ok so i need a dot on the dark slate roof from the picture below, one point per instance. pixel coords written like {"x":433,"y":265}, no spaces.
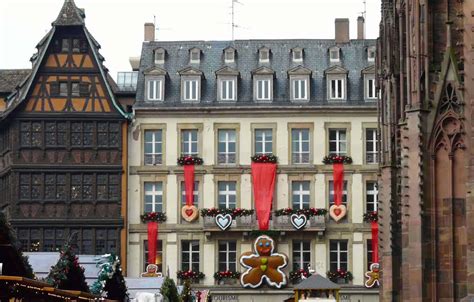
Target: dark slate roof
{"x":316,"y":58}
{"x":70,"y":15}
{"x":11,"y":78}
{"x":315,"y":282}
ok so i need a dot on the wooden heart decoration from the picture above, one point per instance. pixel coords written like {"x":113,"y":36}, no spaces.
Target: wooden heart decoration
{"x":298,"y":221}
{"x":337,"y":212}
{"x":189,"y":213}
{"x":223,"y":221}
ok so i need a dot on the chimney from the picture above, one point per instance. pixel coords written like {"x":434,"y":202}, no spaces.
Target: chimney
{"x":149,"y":32}
{"x":342,"y":30}
{"x":360,"y":28}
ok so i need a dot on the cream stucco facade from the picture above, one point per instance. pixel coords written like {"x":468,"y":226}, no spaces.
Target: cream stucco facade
{"x":207,"y":122}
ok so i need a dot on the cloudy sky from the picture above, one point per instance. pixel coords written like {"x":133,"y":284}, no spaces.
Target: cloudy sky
{"x":118,"y":24}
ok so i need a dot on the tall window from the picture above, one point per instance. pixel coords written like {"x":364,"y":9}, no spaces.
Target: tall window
{"x":336,"y":89}
{"x":337,"y":141}
{"x":189,"y":142}
{"x":155,"y":90}
{"x":369,"y":253}
{"x":191,"y":90}
{"x":190,"y":255}
{"x":371,"y":92}
{"x":300,"y":89}
{"x":331,"y":192}
{"x":300,"y":194}
{"x":301,"y":254}
{"x":228,"y":90}
{"x":227,"y":194}
{"x":263,"y":89}
{"x":153,"y":147}
{"x":338,"y":255}
{"x":227,"y":256}
{"x":159,"y":255}
{"x":226,"y":146}
{"x":195,"y":193}
{"x":263,"y":141}
{"x":371,"y":197}
{"x":153,"y":197}
{"x":371,"y":146}
{"x":300,"y":146}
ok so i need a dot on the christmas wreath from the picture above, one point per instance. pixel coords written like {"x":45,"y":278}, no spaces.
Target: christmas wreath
{"x":153,"y":217}
{"x":297,"y":274}
{"x":190,"y":275}
{"x":339,"y":274}
{"x":337,"y":159}
{"x":307,"y":212}
{"x":238,"y":212}
{"x":371,"y":216}
{"x":226,"y":275}
{"x":264,"y":158}
{"x":189,"y":160}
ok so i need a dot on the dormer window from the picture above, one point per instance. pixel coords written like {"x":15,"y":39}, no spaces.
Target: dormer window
{"x":371,"y":54}
{"x":370,"y":86}
{"x":229,"y":55}
{"x":264,"y":55}
{"x":336,"y":78}
{"x":159,"y":56}
{"x":155,"y":84}
{"x":227,"y":84}
{"x":190,"y":84}
{"x":299,"y":83}
{"x":334,"y":54}
{"x":195,"y":55}
{"x":297,"y":54}
{"x":263,"y":84}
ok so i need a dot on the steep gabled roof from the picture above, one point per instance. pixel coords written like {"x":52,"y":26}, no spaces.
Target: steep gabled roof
{"x":11,"y":78}
{"x":69,"y":15}
{"x":263,"y":70}
{"x":315,"y":282}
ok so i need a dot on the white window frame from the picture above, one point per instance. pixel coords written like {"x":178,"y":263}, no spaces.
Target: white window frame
{"x":344,"y":192}
{"x":300,"y":194}
{"x":155,"y":193}
{"x":372,"y":141}
{"x":228,"y":89}
{"x":187,"y":142}
{"x":226,"y":193}
{"x":264,"y":52}
{"x":263,"y":141}
{"x":370,"y":83}
{"x":227,"y":252}
{"x":297,"y":156}
{"x":300,"y":92}
{"x":331,"y":57}
{"x":155,"y":90}
{"x":229,"y":55}
{"x":374,"y":192}
{"x":370,"y":50}
{"x":338,"y":142}
{"x":156,"y":157}
{"x":263,"y":89}
{"x":226,"y":154}
{"x":191,"y":252}
{"x":339,"y":81}
{"x":298,"y":248}
{"x":339,"y":251}
{"x":191,"y":89}
{"x":294,"y":55}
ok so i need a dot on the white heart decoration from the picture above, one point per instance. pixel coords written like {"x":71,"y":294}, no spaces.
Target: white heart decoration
{"x":299,"y":221}
{"x":223,"y":221}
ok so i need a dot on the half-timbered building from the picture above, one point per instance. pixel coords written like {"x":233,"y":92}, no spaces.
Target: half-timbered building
{"x":63,"y":146}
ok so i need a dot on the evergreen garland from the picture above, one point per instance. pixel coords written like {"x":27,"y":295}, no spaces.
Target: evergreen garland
{"x":110,"y":282}
{"x":18,"y":264}
{"x":67,"y":273}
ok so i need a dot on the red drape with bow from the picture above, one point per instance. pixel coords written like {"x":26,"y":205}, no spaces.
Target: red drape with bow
{"x":263,"y":177}
{"x":375,"y":241}
{"x":189,"y":184}
{"x":152,"y":239}
{"x":338,"y":180}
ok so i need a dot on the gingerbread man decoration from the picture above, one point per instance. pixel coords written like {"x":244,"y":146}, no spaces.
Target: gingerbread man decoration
{"x":373,"y":276}
{"x":263,"y":265}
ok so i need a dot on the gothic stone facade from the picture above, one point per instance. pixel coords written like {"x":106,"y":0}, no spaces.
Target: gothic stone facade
{"x":425,"y":68}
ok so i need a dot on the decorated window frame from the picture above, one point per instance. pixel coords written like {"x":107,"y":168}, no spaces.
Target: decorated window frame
{"x":227,"y":263}
{"x":224,"y":127}
{"x":183,"y":127}
{"x":302,"y":251}
{"x":152,"y":179}
{"x":182,"y":239}
{"x":338,"y":126}
{"x":271,"y":126}
{"x":160,"y":250}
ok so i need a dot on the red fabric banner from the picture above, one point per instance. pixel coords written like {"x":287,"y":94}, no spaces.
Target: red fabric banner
{"x":189,"y":184}
{"x":375,"y":241}
{"x":263,"y":177}
{"x":338,"y":180}
{"x":152,"y":239}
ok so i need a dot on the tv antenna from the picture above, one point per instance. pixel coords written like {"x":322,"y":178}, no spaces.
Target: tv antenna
{"x":234,"y":26}
{"x":158,"y":28}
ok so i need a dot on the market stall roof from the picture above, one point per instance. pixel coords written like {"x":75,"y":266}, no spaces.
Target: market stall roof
{"x":316,"y":282}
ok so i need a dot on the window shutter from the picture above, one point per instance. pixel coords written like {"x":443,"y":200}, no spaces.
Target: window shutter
{"x":54,"y":89}
{"x":84,"y":89}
